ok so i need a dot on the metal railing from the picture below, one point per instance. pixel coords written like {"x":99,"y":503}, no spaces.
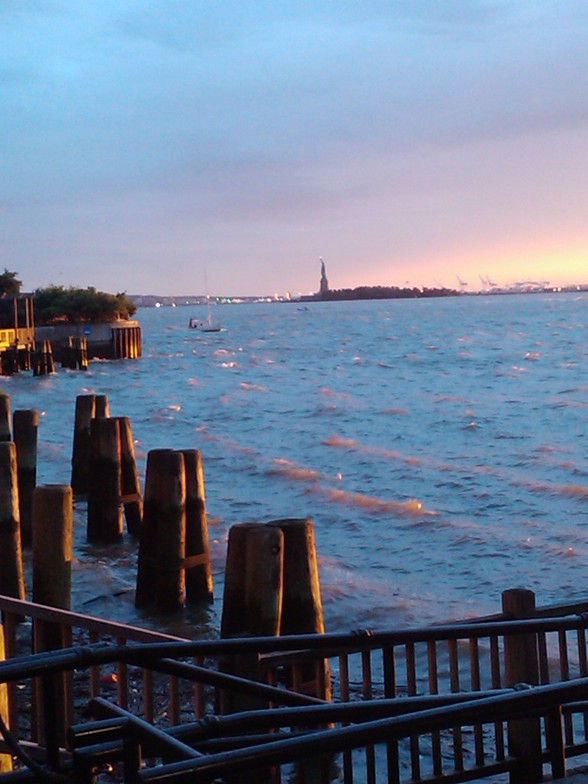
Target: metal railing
{"x":173,"y":683}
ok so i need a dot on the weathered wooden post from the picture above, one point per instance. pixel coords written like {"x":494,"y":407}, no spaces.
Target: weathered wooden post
{"x":130,"y":484}
{"x":160,"y":574}
{"x":5,"y":434}
{"x":5,"y":759}
{"x":81,"y":353}
{"x":25,"y":358}
{"x":85,"y":408}
{"x":67,"y":354}
{"x":233,"y":622}
{"x":522,"y":667}
{"x":302,"y":610}
{"x":25,"y":427}
{"x":52,"y":559}
{"x":199,"y":583}
{"x":12,"y":581}
{"x":52,"y":545}
{"x":101,"y":406}
{"x":10,"y":361}
{"x":43,"y":363}
{"x":252,"y":603}
{"x":105,"y":523}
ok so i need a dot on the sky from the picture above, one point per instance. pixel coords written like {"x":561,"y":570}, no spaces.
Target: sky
{"x":184,"y":147}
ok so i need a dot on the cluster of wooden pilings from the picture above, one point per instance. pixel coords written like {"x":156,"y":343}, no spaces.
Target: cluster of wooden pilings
{"x":127,"y":343}
{"x":74,"y":354}
{"x":271,"y":584}
{"x":38,"y":358}
{"x":174,"y":557}
{"x":272,"y":588}
{"x":14,"y":359}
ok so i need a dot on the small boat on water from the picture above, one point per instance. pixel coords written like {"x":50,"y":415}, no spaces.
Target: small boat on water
{"x":206,"y":325}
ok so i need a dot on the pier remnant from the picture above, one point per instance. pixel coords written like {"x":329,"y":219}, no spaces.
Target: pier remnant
{"x":74,"y":353}
{"x":105,"y":523}
{"x":272,"y":588}
{"x":52,"y":561}
{"x":87,"y":408}
{"x":12,"y":582}
{"x":199,"y":582}
{"x":160,"y":573}
{"x":302,"y":609}
{"x":5,"y":432}
{"x":5,"y":759}
{"x":130,"y":484}
{"x":252,"y":601}
{"x":52,"y":545}
{"x":25,"y":428}
{"x":43,"y":363}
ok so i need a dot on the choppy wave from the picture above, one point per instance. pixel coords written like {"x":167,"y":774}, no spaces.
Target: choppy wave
{"x":439,"y":446}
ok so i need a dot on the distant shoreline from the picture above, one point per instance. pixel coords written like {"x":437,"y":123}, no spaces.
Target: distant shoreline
{"x":345,"y":295}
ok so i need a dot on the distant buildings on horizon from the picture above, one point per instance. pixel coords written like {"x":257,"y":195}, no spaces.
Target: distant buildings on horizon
{"x":325,"y":293}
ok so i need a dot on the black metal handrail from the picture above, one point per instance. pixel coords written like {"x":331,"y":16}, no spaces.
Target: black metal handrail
{"x":537,"y":701}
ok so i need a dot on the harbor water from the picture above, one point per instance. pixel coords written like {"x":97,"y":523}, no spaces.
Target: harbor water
{"x":439,"y":445}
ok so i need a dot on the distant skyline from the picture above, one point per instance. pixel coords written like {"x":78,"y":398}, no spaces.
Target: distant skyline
{"x":178,"y":147}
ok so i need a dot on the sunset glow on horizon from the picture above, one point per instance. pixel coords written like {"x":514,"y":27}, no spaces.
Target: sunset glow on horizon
{"x":169,"y":148}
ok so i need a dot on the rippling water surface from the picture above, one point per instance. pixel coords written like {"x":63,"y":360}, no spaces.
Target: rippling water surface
{"x":440,"y":446}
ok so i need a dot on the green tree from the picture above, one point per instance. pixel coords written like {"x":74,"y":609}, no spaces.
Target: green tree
{"x":59,"y":305}
{"x":9,"y":283}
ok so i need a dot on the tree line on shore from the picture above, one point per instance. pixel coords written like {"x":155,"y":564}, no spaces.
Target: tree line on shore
{"x":70,"y":305}
{"x":383,"y":292}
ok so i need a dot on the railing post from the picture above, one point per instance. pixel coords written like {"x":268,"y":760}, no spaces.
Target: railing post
{"x":522,"y":667}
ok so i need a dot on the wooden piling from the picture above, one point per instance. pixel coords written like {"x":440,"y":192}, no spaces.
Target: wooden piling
{"x":160,"y":574}
{"x":5,"y":759}
{"x":52,"y":545}
{"x":5,"y":433}
{"x":252,"y":599}
{"x":522,"y":666}
{"x":101,"y":406}
{"x":302,"y":609}
{"x":12,"y":581}
{"x":233,"y":621}
{"x":9,"y":361}
{"x":52,"y":560}
{"x":252,"y":603}
{"x":199,"y":583}
{"x":81,"y":353}
{"x":130,"y":484}
{"x":43,"y":363}
{"x":67,"y":354}
{"x":25,"y":428}
{"x":84,"y":413}
{"x":105,"y":522}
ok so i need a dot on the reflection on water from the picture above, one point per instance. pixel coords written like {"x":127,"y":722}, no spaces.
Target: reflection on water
{"x":439,"y":446}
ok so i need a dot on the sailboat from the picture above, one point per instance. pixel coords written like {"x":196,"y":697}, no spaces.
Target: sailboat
{"x":205,"y":325}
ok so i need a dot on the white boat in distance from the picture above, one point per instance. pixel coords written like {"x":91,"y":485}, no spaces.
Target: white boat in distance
{"x":205,"y":325}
